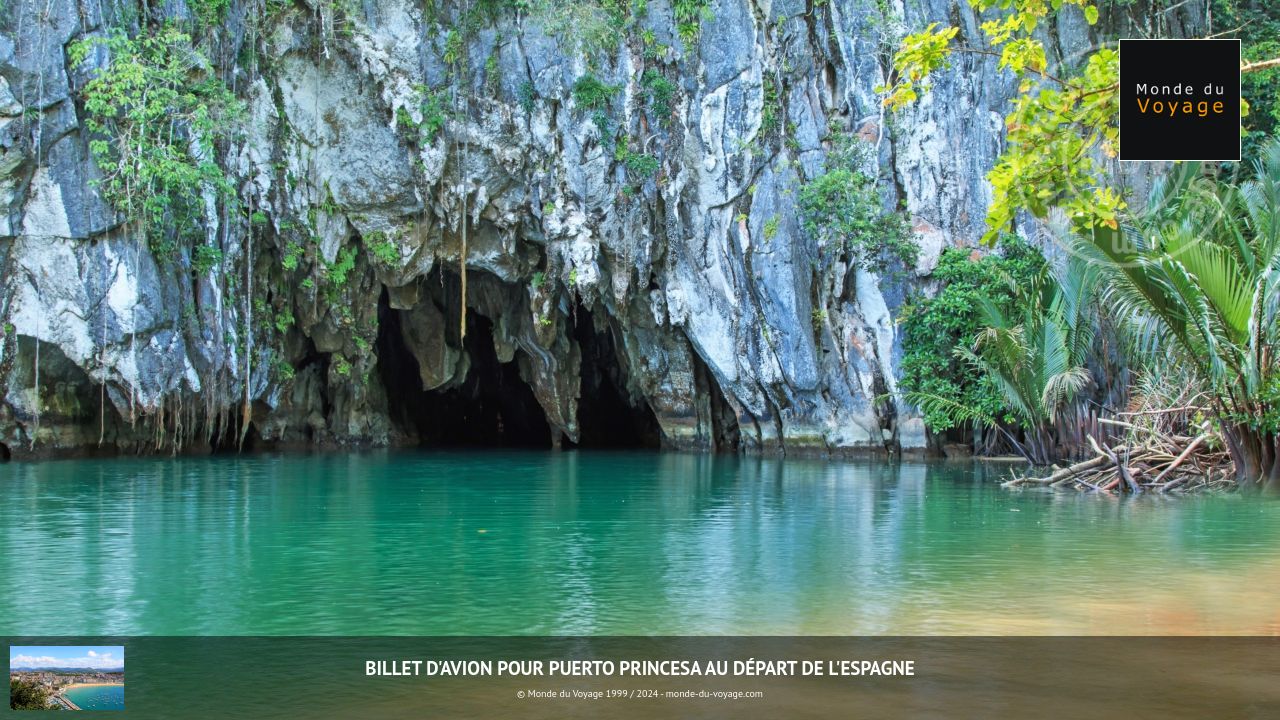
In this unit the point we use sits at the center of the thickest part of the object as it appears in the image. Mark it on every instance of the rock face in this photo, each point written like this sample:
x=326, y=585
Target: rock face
x=394, y=174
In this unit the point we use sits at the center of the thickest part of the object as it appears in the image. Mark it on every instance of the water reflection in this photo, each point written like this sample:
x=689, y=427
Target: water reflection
x=612, y=543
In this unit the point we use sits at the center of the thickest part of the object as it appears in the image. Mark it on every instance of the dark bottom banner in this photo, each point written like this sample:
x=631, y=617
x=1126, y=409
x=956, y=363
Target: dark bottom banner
x=649, y=677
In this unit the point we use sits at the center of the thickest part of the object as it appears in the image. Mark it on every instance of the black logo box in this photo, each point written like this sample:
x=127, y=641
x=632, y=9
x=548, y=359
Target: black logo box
x=1190, y=65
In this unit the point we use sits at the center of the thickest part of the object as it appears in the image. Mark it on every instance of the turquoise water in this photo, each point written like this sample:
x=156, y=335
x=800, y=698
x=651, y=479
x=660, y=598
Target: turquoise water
x=104, y=697
x=612, y=543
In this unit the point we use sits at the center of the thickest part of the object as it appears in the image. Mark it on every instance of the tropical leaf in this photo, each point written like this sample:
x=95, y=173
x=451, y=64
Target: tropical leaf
x=957, y=411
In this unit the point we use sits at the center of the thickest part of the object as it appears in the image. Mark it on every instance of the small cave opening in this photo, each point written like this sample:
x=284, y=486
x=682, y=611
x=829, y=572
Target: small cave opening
x=5, y=455
x=492, y=406
x=608, y=415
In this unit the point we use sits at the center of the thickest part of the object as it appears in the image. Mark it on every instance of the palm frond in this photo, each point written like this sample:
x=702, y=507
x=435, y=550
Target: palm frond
x=1062, y=388
x=958, y=412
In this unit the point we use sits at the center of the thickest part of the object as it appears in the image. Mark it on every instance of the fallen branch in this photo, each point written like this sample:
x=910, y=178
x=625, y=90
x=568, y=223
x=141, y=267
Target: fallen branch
x=1178, y=461
x=1162, y=463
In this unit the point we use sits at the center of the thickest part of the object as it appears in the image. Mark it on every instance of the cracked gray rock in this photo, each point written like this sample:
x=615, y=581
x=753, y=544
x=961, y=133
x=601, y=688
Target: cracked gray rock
x=700, y=278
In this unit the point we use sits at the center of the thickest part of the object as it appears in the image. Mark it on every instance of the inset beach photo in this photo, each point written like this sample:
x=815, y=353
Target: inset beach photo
x=66, y=677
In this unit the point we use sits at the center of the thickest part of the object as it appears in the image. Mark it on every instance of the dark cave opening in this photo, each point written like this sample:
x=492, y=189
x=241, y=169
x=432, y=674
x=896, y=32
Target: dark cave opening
x=608, y=417
x=4, y=453
x=491, y=407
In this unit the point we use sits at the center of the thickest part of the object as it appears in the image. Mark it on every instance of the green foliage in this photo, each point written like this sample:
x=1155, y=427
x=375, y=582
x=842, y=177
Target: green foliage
x=1032, y=350
x=205, y=258
x=932, y=328
x=689, y=15
x=920, y=55
x=431, y=115
x=209, y=12
x=1055, y=122
x=527, y=94
x=284, y=320
x=154, y=114
x=336, y=15
x=587, y=26
x=651, y=48
x=342, y=366
x=841, y=208
x=601, y=120
x=769, y=113
x=643, y=165
x=818, y=317
x=285, y=371
x=589, y=93
x=1196, y=281
x=1257, y=24
x=537, y=280
x=659, y=92
x=340, y=269
x=492, y=78
x=639, y=165
x=771, y=228
x=27, y=695
x=453, y=47
x=293, y=253
x=383, y=249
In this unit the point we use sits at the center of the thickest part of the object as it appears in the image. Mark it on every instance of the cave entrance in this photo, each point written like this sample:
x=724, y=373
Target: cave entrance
x=608, y=415
x=492, y=406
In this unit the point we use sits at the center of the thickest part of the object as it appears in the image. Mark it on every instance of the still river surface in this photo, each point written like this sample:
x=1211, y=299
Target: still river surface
x=577, y=543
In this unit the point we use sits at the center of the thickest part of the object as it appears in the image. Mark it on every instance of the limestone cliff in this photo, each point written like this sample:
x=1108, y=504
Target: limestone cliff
x=391, y=151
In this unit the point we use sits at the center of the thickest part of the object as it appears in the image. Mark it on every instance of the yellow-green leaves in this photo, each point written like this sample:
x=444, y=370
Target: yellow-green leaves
x=1057, y=126
x=1022, y=55
x=920, y=55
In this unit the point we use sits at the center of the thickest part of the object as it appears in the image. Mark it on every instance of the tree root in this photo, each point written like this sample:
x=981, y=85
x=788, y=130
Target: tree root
x=1160, y=464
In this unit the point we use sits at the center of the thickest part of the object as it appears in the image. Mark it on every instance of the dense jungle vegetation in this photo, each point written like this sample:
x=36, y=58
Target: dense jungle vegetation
x=1188, y=280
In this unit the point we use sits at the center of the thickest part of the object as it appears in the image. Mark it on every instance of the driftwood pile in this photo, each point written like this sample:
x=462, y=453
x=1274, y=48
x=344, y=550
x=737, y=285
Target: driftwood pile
x=1152, y=457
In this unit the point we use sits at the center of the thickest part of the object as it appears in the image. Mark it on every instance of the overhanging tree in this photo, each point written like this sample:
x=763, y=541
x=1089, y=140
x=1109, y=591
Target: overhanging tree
x=1059, y=122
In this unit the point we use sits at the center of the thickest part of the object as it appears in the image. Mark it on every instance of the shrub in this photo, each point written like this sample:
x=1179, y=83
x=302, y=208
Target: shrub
x=205, y=258
x=659, y=92
x=591, y=94
x=153, y=114
x=932, y=328
x=842, y=208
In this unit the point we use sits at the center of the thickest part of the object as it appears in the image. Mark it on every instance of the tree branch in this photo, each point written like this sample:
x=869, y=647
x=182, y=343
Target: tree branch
x=1260, y=65
x=992, y=53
